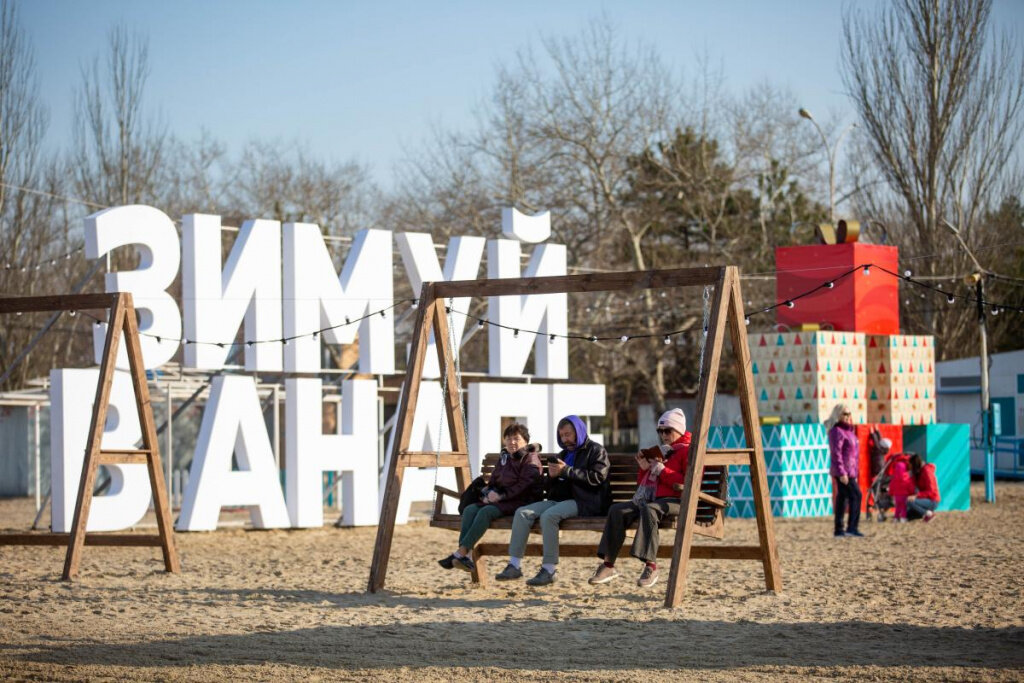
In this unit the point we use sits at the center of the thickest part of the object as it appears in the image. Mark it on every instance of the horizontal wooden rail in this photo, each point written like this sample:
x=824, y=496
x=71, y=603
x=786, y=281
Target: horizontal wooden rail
x=590, y=282
x=428, y=459
x=90, y=539
x=123, y=457
x=697, y=552
x=62, y=302
x=728, y=456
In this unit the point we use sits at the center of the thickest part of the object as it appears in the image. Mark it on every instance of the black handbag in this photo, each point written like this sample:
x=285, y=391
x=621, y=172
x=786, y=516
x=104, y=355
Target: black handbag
x=472, y=493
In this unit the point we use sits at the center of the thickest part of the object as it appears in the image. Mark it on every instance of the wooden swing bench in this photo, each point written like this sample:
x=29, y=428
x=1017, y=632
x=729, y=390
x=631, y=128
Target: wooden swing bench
x=622, y=477
x=702, y=502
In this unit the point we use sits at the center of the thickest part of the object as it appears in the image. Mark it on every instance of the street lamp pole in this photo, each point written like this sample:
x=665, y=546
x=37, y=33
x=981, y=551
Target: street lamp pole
x=830, y=152
x=978, y=278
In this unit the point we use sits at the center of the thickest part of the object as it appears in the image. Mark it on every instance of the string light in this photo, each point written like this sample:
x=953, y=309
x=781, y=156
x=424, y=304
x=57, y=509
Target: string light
x=515, y=334
x=625, y=338
x=867, y=270
x=830, y=285
x=950, y=299
x=668, y=340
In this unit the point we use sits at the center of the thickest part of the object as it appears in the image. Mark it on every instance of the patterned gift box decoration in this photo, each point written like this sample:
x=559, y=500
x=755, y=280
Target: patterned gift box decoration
x=796, y=456
x=947, y=446
x=801, y=376
x=901, y=379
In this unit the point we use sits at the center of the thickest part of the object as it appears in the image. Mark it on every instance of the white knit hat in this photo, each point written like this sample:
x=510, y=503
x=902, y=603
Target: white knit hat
x=673, y=418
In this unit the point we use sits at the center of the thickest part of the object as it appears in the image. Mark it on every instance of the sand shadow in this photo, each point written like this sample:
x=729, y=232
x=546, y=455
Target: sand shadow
x=582, y=644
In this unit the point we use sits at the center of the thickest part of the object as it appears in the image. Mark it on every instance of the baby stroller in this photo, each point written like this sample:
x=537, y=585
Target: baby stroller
x=878, y=499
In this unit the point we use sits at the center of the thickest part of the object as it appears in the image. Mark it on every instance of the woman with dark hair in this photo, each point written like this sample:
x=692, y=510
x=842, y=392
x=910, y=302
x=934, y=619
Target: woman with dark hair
x=515, y=481
x=927, y=499
x=844, y=452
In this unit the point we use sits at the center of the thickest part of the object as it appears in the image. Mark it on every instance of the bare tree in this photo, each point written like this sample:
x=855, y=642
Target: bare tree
x=940, y=98
x=116, y=151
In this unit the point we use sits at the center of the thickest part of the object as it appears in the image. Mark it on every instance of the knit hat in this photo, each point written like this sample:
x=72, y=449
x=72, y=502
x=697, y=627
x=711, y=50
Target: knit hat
x=673, y=418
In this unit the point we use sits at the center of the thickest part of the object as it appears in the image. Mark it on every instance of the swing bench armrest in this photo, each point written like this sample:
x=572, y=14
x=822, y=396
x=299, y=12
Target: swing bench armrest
x=439, y=498
x=445, y=491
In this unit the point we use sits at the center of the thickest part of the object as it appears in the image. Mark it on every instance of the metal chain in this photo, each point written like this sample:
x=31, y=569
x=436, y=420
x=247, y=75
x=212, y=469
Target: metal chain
x=704, y=328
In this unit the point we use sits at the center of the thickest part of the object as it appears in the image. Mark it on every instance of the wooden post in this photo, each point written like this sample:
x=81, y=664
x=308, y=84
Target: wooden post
x=752, y=428
x=403, y=425
x=705, y=406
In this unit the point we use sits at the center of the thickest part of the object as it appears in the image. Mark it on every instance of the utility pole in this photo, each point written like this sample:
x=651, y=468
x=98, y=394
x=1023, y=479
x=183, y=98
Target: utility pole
x=987, y=431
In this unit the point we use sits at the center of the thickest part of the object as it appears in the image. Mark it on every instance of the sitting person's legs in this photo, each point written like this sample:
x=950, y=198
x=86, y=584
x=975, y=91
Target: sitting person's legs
x=522, y=521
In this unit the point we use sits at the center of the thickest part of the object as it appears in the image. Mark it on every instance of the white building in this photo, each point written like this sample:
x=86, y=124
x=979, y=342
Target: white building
x=958, y=392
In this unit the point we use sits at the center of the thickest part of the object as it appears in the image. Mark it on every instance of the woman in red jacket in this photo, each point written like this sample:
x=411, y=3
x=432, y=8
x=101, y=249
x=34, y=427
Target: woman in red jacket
x=664, y=500
x=927, y=498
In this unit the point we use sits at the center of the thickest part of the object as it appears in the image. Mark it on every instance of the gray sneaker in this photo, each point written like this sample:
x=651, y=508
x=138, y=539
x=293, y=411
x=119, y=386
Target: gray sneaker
x=648, y=577
x=604, y=574
x=509, y=573
x=543, y=578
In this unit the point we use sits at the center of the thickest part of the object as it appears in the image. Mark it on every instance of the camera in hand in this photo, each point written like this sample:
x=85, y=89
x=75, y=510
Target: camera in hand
x=552, y=459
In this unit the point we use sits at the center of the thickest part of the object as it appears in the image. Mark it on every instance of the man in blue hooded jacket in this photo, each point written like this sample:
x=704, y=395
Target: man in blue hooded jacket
x=577, y=486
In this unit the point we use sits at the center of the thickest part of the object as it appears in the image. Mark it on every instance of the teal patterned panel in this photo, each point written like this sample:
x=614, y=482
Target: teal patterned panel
x=797, y=459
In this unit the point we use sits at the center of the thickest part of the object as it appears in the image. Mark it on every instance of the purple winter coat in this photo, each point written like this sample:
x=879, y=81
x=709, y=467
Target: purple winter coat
x=844, y=449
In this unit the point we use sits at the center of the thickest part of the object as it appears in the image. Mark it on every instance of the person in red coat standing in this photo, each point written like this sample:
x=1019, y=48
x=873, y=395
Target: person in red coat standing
x=844, y=450
x=650, y=508
x=927, y=498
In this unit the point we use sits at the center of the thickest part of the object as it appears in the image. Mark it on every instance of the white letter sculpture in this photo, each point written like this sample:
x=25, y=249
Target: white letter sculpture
x=310, y=452
x=316, y=297
x=233, y=425
x=545, y=313
x=421, y=265
x=216, y=302
x=129, y=493
x=156, y=241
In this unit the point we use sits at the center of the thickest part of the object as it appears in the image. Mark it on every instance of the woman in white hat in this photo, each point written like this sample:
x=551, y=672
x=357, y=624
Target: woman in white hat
x=656, y=497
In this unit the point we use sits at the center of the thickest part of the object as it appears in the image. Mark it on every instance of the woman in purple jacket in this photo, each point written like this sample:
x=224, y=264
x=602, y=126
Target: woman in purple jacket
x=515, y=481
x=844, y=450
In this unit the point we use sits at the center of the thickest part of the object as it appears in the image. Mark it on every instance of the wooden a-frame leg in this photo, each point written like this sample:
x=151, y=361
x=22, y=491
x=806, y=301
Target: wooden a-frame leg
x=91, y=462
x=705, y=403
x=758, y=467
x=150, y=443
x=479, y=572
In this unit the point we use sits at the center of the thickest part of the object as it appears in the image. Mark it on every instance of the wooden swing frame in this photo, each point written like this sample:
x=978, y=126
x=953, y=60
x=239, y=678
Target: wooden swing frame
x=121, y=322
x=726, y=311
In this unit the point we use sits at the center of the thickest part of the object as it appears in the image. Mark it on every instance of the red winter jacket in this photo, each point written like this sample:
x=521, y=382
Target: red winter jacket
x=901, y=482
x=675, y=468
x=927, y=485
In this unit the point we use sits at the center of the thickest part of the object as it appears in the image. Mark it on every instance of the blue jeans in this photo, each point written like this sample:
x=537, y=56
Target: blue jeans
x=475, y=521
x=551, y=514
x=919, y=506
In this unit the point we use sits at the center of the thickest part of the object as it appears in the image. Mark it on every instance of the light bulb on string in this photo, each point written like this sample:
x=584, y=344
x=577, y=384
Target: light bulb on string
x=668, y=340
x=625, y=338
x=515, y=334
x=249, y=344
x=790, y=304
x=316, y=335
x=907, y=274
x=480, y=323
x=867, y=270
x=551, y=339
x=746, y=321
x=593, y=338
x=830, y=285
x=950, y=299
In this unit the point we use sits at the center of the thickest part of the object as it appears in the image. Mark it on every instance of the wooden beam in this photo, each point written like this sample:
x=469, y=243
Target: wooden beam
x=591, y=282
x=90, y=539
x=697, y=552
x=122, y=458
x=58, y=302
x=728, y=456
x=428, y=459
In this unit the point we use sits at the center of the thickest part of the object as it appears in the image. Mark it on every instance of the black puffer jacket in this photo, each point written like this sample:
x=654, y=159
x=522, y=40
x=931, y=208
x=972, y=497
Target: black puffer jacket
x=586, y=481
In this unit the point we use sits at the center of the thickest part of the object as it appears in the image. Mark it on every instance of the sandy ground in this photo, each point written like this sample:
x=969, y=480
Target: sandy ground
x=941, y=601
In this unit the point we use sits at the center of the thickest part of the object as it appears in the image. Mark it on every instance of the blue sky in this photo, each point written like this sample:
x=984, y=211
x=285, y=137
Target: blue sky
x=365, y=80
